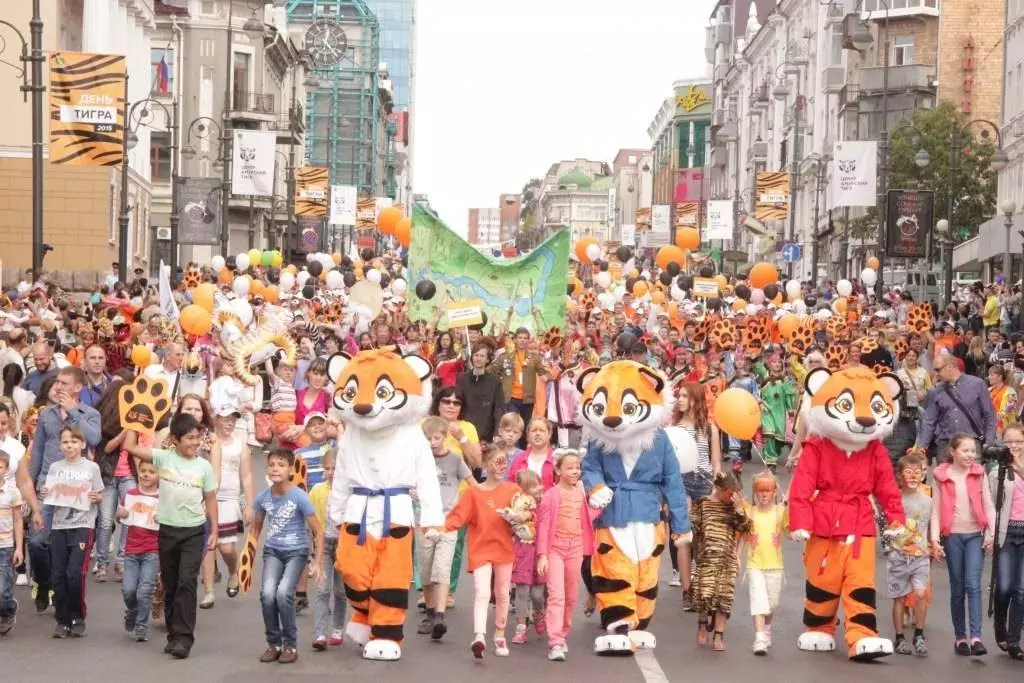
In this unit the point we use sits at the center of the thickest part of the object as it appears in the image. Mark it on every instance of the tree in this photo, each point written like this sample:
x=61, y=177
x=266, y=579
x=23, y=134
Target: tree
x=530, y=195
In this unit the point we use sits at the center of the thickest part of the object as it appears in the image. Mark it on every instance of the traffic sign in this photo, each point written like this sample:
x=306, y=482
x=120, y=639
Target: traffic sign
x=791, y=253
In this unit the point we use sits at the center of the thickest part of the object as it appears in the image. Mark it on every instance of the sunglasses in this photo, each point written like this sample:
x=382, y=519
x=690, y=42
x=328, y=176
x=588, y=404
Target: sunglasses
x=451, y=402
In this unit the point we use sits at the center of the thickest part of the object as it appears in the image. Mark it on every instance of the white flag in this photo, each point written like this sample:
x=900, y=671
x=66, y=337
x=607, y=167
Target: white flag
x=719, y=224
x=343, y=205
x=854, y=173
x=252, y=163
x=168, y=308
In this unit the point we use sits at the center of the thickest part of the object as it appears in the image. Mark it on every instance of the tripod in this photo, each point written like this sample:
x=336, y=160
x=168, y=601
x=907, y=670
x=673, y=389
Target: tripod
x=1005, y=473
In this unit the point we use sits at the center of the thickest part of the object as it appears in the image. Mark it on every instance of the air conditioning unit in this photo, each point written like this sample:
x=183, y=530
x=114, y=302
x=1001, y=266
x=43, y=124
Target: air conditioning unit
x=163, y=233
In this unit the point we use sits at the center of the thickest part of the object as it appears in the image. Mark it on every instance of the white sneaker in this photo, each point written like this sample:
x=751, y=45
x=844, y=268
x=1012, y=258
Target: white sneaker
x=675, y=580
x=22, y=580
x=760, y=644
x=768, y=636
x=557, y=654
x=500, y=646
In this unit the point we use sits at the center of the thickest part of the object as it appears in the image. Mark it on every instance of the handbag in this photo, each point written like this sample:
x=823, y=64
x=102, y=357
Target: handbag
x=978, y=433
x=263, y=426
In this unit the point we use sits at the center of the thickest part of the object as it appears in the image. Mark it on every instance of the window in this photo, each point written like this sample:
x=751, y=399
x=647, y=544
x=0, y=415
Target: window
x=162, y=71
x=208, y=7
x=902, y=50
x=240, y=79
x=159, y=156
x=836, y=47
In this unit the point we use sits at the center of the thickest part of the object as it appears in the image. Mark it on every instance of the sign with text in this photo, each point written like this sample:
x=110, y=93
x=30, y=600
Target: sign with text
x=628, y=234
x=199, y=210
x=343, y=204
x=141, y=511
x=311, y=191
x=366, y=213
x=705, y=287
x=771, y=196
x=67, y=492
x=87, y=108
x=908, y=221
x=687, y=214
x=719, y=222
x=252, y=163
x=854, y=179
x=465, y=313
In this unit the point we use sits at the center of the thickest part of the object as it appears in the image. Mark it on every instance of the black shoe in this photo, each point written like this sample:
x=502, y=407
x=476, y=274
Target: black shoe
x=978, y=648
x=129, y=621
x=437, y=633
x=61, y=631
x=168, y=647
x=78, y=628
x=301, y=603
x=962, y=648
x=179, y=651
x=1014, y=652
x=42, y=599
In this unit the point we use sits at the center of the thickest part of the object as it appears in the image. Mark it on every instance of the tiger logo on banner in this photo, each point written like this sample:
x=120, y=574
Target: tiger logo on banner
x=366, y=214
x=642, y=219
x=311, y=191
x=687, y=214
x=772, y=196
x=87, y=109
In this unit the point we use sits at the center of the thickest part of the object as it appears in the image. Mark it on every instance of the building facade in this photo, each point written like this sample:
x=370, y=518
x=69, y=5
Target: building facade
x=574, y=194
x=484, y=229
x=631, y=189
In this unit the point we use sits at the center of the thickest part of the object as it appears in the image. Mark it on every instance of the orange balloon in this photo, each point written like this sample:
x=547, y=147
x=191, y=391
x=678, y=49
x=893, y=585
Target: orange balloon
x=195, y=320
x=763, y=274
x=640, y=288
x=377, y=264
x=577, y=286
x=737, y=413
x=722, y=281
x=873, y=262
x=670, y=254
x=256, y=288
x=839, y=306
x=203, y=294
x=688, y=238
x=581, y=248
x=272, y=294
x=141, y=356
x=336, y=257
x=634, y=273
x=658, y=297
x=388, y=219
x=225, y=276
x=358, y=263
x=672, y=309
x=777, y=300
x=739, y=305
x=788, y=324
x=403, y=231
x=358, y=272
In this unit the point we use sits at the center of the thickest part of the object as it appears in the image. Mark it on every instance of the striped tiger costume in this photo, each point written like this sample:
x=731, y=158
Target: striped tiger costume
x=630, y=467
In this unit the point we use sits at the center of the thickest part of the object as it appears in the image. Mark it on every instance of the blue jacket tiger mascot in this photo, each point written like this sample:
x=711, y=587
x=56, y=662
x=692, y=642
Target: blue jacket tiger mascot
x=630, y=467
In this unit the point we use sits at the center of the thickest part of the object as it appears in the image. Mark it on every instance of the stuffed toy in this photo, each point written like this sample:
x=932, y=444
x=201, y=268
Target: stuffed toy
x=629, y=469
x=383, y=455
x=520, y=516
x=843, y=463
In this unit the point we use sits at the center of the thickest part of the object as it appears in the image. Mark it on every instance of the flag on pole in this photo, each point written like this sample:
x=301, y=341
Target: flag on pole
x=168, y=308
x=163, y=77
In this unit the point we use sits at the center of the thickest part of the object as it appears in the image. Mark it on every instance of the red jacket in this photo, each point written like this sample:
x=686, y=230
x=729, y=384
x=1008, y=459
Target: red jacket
x=947, y=496
x=547, y=519
x=521, y=460
x=829, y=494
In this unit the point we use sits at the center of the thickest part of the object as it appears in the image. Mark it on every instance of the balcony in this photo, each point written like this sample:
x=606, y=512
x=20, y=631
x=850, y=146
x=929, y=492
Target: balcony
x=291, y=127
x=835, y=78
x=719, y=156
x=905, y=78
x=759, y=98
x=758, y=151
x=252, y=106
x=721, y=71
x=719, y=117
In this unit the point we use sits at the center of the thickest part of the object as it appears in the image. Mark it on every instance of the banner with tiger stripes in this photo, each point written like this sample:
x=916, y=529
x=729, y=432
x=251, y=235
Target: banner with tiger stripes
x=366, y=214
x=772, y=196
x=311, y=191
x=687, y=214
x=87, y=108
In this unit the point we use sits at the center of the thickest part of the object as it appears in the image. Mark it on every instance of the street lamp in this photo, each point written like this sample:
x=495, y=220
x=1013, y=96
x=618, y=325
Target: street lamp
x=922, y=158
x=782, y=73
x=204, y=128
x=820, y=166
x=1008, y=207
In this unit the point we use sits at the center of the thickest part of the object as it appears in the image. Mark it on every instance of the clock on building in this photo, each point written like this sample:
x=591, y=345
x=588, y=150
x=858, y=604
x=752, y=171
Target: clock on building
x=326, y=43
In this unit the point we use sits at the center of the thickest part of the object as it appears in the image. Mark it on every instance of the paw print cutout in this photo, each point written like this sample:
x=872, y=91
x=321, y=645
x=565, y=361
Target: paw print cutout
x=802, y=339
x=836, y=327
x=900, y=348
x=835, y=356
x=245, y=564
x=143, y=403
x=192, y=278
x=723, y=335
x=300, y=474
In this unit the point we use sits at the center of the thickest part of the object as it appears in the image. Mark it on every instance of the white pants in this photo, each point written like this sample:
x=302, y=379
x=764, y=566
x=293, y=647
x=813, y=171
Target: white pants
x=765, y=589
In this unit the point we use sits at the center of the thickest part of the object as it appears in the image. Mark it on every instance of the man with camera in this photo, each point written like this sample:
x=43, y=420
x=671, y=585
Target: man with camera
x=958, y=404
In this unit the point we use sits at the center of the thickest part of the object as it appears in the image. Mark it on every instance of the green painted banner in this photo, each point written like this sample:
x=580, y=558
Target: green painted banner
x=460, y=272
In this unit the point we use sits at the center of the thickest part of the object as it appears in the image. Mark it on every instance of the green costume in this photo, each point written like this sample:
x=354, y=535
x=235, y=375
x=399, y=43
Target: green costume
x=779, y=398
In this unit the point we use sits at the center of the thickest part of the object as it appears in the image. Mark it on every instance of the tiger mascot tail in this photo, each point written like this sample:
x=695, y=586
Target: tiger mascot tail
x=630, y=467
x=843, y=463
x=382, y=456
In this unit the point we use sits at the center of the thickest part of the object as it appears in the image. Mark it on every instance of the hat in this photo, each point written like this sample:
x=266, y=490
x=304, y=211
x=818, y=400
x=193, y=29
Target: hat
x=228, y=411
x=312, y=416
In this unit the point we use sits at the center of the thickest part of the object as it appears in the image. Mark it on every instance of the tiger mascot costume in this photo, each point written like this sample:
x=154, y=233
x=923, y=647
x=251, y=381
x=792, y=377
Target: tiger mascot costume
x=851, y=411
x=630, y=467
x=382, y=457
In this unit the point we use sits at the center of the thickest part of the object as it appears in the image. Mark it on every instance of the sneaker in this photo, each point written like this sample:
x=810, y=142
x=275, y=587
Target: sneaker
x=320, y=644
x=978, y=648
x=539, y=625
x=7, y=624
x=687, y=603
x=675, y=581
x=301, y=603
x=556, y=654
x=520, y=635
x=768, y=636
x=451, y=602
x=42, y=598
x=271, y=654
x=78, y=628
x=180, y=651
x=289, y=655
x=118, y=573
x=141, y=635
x=208, y=601
x=168, y=646
x=962, y=648
x=101, y=575
x=437, y=633
x=901, y=647
x=920, y=647
x=337, y=637
x=61, y=631
x=500, y=646
x=478, y=646
x=760, y=644
x=129, y=620
x=22, y=580
x=426, y=626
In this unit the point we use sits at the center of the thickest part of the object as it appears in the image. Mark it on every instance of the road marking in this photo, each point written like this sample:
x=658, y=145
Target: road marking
x=649, y=667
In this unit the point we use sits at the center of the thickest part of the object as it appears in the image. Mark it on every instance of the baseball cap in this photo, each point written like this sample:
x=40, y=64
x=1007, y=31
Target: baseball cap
x=312, y=416
x=228, y=411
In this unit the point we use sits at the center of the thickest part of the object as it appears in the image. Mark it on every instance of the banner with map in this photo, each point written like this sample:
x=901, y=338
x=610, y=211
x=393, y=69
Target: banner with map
x=460, y=273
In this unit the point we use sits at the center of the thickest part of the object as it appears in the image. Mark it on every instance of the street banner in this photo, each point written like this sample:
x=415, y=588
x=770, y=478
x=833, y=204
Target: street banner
x=309, y=228
x=252, y=163
x=661, y=225
x=366, y=214
x=199, y=210
x=343, y=204
x=87, y=108
x=610, y=214
x=461, y=273
x=628, y=234
x=687, y=215
x=719, y=224
x=771, y=192
x=642, y=219
x=854, y=179
x=909, y=215
x=310, y=191
x=168, y=306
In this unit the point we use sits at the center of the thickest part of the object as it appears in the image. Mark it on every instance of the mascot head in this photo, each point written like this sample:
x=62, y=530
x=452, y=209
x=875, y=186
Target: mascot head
x=852, y=407
x=624, y=403
x=380, y=388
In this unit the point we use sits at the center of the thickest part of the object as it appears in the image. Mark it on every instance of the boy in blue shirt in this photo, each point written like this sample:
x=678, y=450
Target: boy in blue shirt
x=286, y=510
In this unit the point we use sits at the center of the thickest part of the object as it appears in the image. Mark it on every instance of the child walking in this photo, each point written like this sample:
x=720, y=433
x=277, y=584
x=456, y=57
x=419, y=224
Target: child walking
x=286, y=509
x=965, y=525
x=330, y=593
x=718, y=523
x=491, y=550
x=73, y=489
x=137, y=513
x=565, y=533
x=908, y=561
x=765, y=571
x=12, y=546
x=528, y=582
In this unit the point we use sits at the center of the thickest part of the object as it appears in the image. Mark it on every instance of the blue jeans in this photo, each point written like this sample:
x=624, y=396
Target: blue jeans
x=113, y=493
x=1009, y=598
x=138, y=586
x=964, y=558
x=328, y=592
x=7, y=605
x=281, y=570
x=39, y=549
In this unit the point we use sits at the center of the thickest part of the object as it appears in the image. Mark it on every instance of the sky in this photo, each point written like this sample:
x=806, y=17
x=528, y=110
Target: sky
x=505, y=88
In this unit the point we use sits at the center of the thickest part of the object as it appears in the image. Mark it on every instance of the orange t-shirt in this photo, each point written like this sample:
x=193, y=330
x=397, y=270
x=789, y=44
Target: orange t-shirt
x=490, y=537
x=517, y=375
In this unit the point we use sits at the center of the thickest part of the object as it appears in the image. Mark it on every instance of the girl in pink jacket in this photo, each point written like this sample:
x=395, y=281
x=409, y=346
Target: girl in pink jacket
x=565, y=533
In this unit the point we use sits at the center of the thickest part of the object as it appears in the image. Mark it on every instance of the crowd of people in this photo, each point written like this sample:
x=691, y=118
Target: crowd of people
x=164, y=510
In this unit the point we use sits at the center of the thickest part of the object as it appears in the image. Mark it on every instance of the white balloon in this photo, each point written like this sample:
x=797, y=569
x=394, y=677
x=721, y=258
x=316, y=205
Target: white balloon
x=620, y=293
x=218, y=263
x=869, y=277
x=243, y=310
x=676, y=293
x=751, y=309
x=757, y=296
x=136, y=301
x=242, y=262
x=823, y=314
x=593, y=252
x=607, y=300
x=399, y=286
x=373, y=275
x=799, y=307
x=241, y=286
x=287, y=281
x=335, y=280
x=327, y=261
x=685, y=447
x=310, y=257
x=303, y=275
x=844, y=287
x=793, y=289
x=604, y=278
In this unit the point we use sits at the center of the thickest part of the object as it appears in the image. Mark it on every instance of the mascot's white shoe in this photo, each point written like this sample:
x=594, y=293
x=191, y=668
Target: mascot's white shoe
x=357, y=633
x=382, y=651
x=643, y=640
x=815, y=641
x=866, y=649
x=613, y=645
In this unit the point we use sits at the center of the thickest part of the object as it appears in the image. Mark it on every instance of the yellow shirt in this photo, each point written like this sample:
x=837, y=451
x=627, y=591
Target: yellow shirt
x=318, y=496
x=765, y=550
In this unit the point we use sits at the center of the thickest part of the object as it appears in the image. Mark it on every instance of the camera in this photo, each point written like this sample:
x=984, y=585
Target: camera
x=997, y=453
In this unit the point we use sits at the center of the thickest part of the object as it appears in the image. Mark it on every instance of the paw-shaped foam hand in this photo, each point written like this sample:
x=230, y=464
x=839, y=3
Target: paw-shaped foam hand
x=143, y=403
x=245, y=564
x=300, y=474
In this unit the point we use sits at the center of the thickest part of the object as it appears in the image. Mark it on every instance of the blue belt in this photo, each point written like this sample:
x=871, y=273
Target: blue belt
x=370, y=493
x=645, y=486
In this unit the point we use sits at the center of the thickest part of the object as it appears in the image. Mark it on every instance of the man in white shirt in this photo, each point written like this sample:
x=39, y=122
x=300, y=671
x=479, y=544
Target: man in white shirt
x=18, y=476
x=14, y=352
x=169, y=370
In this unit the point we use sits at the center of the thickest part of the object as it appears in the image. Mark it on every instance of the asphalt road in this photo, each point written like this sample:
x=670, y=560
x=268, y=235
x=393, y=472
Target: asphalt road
x=230, y=640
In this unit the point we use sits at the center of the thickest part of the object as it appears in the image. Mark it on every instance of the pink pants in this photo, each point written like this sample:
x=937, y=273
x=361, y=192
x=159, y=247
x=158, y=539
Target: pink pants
x=565, y=558
x=482, y=595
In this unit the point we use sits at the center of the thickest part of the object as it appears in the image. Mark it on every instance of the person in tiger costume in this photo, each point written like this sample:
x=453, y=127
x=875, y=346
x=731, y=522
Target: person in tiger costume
x=843, y=462
x=629, y=469
x=382, y=457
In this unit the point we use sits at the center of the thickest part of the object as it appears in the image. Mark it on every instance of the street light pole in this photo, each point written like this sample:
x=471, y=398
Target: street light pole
x=175, y=159
x=225, y=146
x=122, y=218
x=35, y=26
